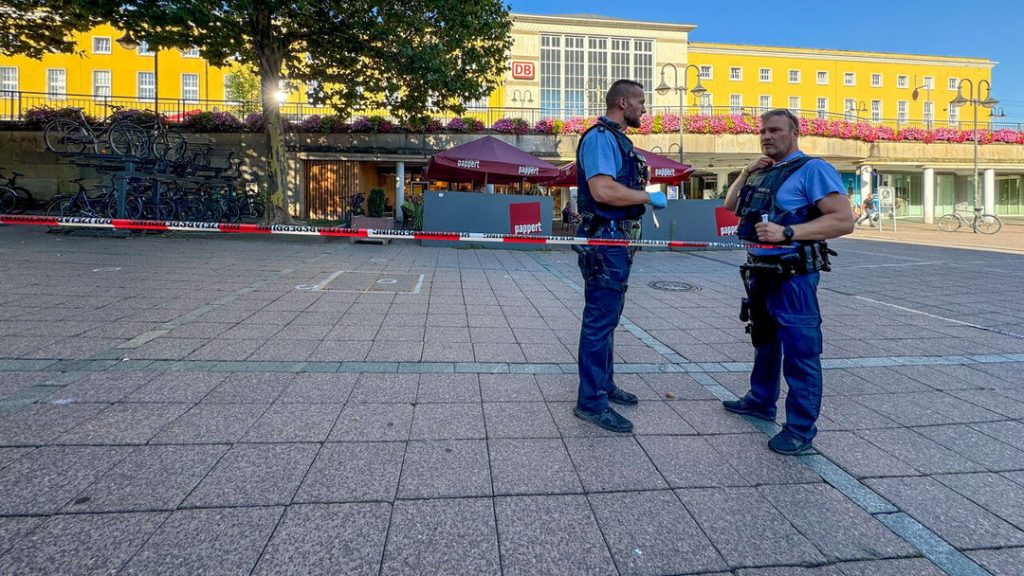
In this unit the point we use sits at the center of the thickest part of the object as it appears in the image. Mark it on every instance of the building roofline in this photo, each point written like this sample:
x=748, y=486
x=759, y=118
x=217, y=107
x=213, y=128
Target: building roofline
x=723, y=48
x=599, y=20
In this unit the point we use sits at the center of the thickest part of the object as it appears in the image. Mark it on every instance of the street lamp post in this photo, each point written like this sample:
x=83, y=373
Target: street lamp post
x=975, y=101
x=913, y=95
x=596, y=88
x=128, y=42
x=856, y=109
x=664, y=88
x=524, y=97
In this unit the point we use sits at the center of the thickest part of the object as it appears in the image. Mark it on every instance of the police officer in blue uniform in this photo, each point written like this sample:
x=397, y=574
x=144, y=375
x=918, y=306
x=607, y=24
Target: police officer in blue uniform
x=798, y=202
x=610, y=178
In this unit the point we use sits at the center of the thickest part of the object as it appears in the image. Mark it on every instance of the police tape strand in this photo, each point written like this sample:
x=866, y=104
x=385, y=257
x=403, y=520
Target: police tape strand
x=369, y=233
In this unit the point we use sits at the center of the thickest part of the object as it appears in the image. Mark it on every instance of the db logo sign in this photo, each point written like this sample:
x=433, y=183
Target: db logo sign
x=523, y=70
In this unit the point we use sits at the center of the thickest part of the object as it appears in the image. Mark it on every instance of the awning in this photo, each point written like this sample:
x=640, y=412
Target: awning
x=663, y=171
x=488, y=160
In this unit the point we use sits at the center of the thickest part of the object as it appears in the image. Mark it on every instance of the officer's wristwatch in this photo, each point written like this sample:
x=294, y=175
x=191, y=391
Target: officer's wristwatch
x=787, y=233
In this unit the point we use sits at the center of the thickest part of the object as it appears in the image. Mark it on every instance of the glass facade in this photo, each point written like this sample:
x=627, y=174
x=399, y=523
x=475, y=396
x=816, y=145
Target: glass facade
x=575, y=71
x=1010, y=196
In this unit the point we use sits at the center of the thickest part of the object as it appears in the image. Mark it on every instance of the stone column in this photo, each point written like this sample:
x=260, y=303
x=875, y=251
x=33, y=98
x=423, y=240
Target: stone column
x=988, y=193
x=928, y=195
x=721, y=179
x=399, y=189
x=865, y=182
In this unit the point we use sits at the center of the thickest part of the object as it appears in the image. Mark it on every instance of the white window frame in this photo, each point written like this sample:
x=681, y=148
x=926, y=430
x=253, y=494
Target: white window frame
x=876, y=111
x=954, y=116
x=192, y=52
x=876, y=79
x=707, y=71
x=736, y=73
x=764, y=103
x=706, y=104
x=953, y=84
x=902, y=111
x=818, y=77
x=764, y=74
x=150, y=92
x=903, y=81
x=929, y=113
x=849, y=109
x=794, y=76
x=822, y=107
x=794, y=103
x=95, y=85
x=735, y=103
x=143, y=49
x=184, y=96
x=110, y=45
x=61, y=94
x=5, y=84
x=849, y=78
x=929, y=82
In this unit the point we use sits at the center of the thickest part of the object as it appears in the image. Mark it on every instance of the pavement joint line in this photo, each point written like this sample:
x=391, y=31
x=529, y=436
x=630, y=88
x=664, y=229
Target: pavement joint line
x=142, y=339
x=936, y=316
x=941, y=553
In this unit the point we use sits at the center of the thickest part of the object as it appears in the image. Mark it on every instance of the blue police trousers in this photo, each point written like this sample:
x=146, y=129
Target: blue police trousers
x=605, y=272
x=787, y=338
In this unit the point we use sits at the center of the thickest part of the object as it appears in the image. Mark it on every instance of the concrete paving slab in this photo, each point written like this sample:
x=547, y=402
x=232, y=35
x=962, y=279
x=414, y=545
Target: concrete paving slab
x=104, y=387
x=449, y=536
x=748, y=454
x=975, y=446
x=353, y=472
x=519, y=420
x=613, y=464
x=327, y=539
x=532, y=466
x=373, y=423
x=858, y=456
x=690, y=462
x=385, y=388
x=997, y=494
x=447, y=422
x=40, y=424
x=442, y=388
x=14, y=528
x=550, y=535
x=654, y=417
x=445, y=469
x=307, y=388
x=213, y=541
x=509, y=388
x=211, y=424
x=188, y=387
x=42, y=481
x=896, y=567
x=124, y=424
x=294, y=423
x=1005, y=562
x=254, y=475
x=249, y=388
x=922, y=454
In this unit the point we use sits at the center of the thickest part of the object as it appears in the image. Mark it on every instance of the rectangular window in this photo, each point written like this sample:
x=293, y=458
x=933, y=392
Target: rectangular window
x=101, y=44
x=705, y=103
x=903, y=81
x=794, y=76
x=823, y=77
x=735, y=73
x=954, y=116
x=901, y=111
x=147, y=86
x=551, y=75
x=9, y=79
x=765, y=103
x=597, y=74
x=954, y=83
x=190, y=87
x=143, y=49
x=794, y=103
x=822, y=107
x=101, y=84
x=876, y=80
x=56, y=84
x=190, y=53
x=929, y=82
x=735, y=103
x=876, y=111
x=850, y=109
x=929, y=113
x=643, y=66
x=706, y=72
x=849, y=79
x=574, y=55
x=764, y=74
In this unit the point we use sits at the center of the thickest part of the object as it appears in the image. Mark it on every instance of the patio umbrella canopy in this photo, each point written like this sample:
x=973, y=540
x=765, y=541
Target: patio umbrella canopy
x=663, y=171
x=488, y=160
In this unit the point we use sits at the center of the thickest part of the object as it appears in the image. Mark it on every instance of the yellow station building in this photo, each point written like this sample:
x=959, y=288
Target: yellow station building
x=560, y=66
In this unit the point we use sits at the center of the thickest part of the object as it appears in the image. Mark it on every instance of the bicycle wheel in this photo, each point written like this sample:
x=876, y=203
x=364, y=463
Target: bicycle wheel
x=949, y=223
x=989, y=224
x=24, y=200
x=133, y=208
x=127, y=139
x=8, y=200
x=65, y=136
x=169, y=145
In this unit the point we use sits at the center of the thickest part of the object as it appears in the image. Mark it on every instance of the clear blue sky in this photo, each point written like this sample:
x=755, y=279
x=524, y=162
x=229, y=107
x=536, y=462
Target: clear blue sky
x=992, y=29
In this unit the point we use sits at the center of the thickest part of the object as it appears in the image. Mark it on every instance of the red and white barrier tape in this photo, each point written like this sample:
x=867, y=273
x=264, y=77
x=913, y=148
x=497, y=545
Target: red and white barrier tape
x=162, y=226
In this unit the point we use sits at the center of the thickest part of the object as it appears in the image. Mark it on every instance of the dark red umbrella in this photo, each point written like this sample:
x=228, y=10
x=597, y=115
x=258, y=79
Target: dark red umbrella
x=488, y=160
x=663, y=171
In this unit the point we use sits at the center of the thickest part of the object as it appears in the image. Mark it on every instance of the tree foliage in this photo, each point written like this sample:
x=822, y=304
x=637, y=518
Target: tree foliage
x=35, y=28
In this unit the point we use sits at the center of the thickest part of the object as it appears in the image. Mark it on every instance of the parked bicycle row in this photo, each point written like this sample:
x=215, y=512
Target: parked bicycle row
x=139, y=134
x=14, y=199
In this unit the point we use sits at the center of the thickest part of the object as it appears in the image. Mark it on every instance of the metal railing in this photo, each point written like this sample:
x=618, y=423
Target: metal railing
x=15, y=104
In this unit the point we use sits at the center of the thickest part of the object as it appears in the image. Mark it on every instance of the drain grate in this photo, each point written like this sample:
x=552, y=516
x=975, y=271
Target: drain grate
x=672, y=286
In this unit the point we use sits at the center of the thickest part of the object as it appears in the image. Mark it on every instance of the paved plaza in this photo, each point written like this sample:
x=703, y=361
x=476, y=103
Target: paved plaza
x=217, y=404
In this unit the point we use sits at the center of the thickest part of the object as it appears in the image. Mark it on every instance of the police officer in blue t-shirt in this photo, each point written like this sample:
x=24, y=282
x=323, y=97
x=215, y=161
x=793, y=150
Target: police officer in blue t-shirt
x=787, y=198
x=610, y=177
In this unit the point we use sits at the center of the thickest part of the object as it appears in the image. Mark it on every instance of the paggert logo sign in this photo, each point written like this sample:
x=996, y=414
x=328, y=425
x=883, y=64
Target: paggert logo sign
x=726, y=222
x=524, y=218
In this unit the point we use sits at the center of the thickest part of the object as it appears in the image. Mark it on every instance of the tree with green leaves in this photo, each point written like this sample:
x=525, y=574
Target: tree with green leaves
x=35, y=28
x=400, y=55
x=243, y=87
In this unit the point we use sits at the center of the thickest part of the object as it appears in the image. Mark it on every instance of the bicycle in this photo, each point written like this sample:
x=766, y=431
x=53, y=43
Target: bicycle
x=103, y=205
x=14, y=199
x=67, y=136
x=983, y=223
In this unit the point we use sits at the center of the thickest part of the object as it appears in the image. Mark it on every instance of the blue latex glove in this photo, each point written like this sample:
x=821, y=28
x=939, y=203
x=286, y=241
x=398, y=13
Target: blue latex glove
x=657, y=200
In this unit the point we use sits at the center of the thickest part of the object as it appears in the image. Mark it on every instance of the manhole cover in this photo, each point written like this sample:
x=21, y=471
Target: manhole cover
x=670, y=286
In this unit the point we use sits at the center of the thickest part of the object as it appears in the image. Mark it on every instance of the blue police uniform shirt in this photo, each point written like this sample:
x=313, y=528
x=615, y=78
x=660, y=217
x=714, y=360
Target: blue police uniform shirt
x=810, y=183
x=599, y=154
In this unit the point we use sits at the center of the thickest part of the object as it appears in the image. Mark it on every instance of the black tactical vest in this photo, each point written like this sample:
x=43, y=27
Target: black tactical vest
x=757, y=199
x=633, y=174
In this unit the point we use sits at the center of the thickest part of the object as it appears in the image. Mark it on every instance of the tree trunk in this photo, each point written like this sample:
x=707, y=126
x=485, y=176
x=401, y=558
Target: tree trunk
x=270, y=63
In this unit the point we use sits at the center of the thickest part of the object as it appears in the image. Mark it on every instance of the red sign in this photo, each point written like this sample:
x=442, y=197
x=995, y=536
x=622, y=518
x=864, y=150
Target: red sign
x=524, y=218
x=725, y=222
x=523, y=70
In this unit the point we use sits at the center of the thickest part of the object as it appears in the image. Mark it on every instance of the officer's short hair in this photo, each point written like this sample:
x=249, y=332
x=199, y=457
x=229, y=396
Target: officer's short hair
x=621, y=89
x=783, y=112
